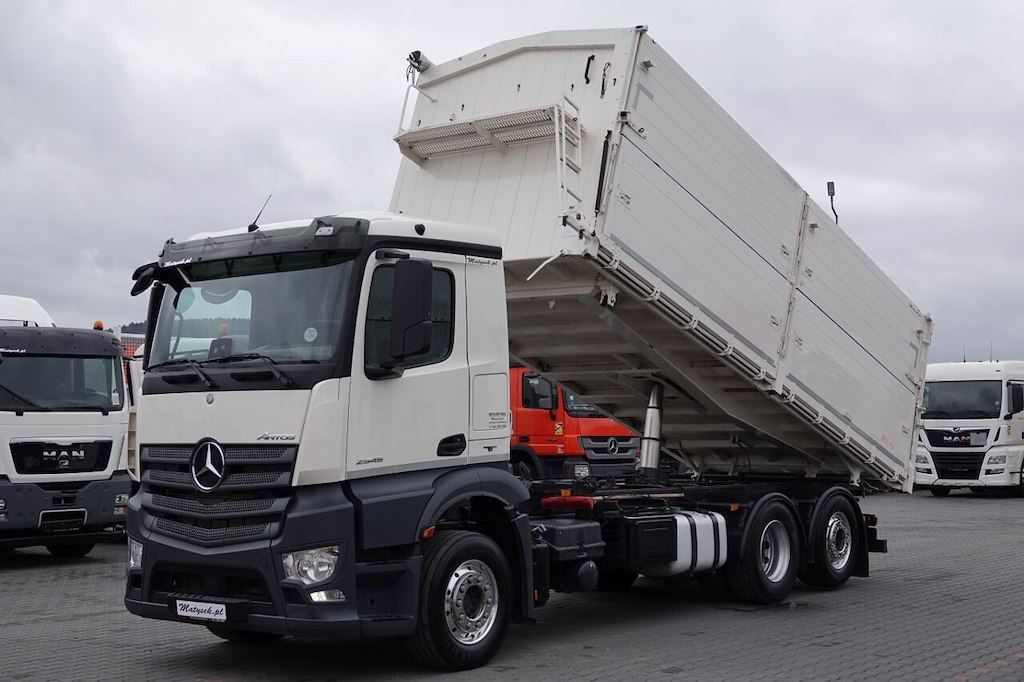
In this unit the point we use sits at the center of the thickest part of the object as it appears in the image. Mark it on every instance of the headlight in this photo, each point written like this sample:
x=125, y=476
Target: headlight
x=311, y=565
x=134, y=555
x=997, y=459
x=921, y=459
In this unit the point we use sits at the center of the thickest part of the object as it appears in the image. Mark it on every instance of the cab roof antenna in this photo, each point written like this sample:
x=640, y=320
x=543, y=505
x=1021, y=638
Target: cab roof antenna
x=253, y=226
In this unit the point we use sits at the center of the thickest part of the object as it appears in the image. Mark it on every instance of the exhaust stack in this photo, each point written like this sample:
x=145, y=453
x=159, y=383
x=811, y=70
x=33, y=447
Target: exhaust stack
x=650, y=442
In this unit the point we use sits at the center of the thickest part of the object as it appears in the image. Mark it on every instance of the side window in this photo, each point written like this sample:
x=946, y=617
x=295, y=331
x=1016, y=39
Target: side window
x=378, y=319
x=538, y=392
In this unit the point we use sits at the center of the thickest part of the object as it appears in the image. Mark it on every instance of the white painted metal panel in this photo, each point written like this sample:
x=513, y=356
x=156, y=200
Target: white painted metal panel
x=675, y=123
x=830, y=369
x=782, y=348
x=700, y=261
x=377, y=443
x=840, y=279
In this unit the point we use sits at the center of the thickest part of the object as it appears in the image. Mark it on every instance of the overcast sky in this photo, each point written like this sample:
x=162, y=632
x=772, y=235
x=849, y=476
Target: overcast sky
x=125, y=123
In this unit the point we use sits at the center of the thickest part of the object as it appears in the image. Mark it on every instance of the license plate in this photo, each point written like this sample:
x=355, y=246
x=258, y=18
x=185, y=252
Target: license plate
x=201, y=610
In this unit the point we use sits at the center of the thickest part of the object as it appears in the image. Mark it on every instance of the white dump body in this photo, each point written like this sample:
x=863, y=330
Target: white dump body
x=665, y=245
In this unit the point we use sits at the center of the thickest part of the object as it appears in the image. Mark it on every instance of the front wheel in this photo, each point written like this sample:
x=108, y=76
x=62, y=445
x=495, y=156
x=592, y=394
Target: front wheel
x=74, y=550
x=465, y=601
x=835, y=545
x=767, y=570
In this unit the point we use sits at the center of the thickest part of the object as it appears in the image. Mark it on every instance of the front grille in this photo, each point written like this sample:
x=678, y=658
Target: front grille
x=961, y=438
x=39, y=457
x=966, y=465
x=624, y=447
x=249, y=504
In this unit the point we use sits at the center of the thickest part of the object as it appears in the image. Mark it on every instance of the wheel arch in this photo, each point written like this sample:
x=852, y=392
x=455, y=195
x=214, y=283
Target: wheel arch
x=527, y=453
x=485, y=502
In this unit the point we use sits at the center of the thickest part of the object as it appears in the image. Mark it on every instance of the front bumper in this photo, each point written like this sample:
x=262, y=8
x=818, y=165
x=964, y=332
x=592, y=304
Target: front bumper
x=37, y=516
x=248, y=578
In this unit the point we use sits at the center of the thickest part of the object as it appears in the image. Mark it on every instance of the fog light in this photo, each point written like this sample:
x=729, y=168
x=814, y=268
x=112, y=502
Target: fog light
x=922, y=470
x=997, y=459
x=311, y=565
x=327, y=596
x=581, y=471
x=3, y=504
x=921, y=459
x=991, y=472
x=134, y=555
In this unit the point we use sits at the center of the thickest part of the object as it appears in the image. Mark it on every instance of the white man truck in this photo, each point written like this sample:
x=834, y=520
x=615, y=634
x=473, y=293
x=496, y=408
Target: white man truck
x=324, y=427
x=63, y=428
x=973, y=420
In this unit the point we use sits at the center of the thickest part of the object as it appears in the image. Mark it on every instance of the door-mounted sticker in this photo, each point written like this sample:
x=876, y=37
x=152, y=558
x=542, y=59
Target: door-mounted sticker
x=310, y=334
x=558, y=428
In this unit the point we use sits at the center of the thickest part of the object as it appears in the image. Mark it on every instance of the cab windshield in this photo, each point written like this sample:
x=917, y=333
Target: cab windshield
x=46, y=383
x=286, y=307
x=962, y=399
x=577, y=407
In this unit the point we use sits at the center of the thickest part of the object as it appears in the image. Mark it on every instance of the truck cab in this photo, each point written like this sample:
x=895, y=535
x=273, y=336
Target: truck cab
x=554, y=431
x=63, y=432
x=972, y=428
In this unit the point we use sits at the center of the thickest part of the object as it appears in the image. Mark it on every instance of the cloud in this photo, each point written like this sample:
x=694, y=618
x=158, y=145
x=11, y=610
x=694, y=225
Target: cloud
x=125, y=123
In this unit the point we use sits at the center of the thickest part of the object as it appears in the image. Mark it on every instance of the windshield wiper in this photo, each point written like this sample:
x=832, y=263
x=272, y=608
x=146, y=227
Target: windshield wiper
x=268, y=361
x=191, y=364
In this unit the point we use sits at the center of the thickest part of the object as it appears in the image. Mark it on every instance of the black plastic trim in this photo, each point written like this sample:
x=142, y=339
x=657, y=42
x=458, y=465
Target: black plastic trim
x=58, y=341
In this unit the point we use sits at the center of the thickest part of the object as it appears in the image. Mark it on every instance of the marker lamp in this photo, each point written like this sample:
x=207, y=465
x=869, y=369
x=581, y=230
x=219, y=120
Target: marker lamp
x=134, y=555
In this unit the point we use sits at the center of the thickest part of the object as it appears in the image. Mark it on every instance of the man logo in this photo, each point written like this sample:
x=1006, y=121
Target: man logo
x=207, y=466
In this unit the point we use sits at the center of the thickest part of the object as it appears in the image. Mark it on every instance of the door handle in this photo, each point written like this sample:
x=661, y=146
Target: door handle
x=452, y=446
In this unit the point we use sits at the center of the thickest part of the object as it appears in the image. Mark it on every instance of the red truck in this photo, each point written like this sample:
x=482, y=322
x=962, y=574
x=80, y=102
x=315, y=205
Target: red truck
x=554, y=429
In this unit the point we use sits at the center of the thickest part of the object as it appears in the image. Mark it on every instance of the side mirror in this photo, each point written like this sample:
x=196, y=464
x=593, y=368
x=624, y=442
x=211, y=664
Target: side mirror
x=144, y=277
x=411, y=328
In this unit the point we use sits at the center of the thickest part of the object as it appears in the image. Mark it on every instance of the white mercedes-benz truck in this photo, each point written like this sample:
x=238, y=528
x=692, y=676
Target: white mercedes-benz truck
x=324, y=428
x=63, y=434
x=973, y=421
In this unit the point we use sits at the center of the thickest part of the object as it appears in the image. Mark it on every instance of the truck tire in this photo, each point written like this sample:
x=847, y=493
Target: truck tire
x=243, y=636
x=74, y=550
x=767, y=570
x=836, y=545
x=465, y=601
x=523, y=467
x=940, y=492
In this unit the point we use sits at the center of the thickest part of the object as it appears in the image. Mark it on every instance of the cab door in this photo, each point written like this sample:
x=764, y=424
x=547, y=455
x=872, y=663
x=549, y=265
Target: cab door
x=420, y=419
x=539, y=415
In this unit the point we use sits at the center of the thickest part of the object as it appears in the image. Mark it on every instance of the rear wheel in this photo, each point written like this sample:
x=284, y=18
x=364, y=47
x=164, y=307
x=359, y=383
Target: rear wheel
x=940, y=492
x=243, y=636
x=767, y=570
x=835, y=545
x=74, y=550
x=465, y=601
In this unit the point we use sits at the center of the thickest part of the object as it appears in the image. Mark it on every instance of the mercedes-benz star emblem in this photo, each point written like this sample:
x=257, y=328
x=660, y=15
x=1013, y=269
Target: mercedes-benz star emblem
x=207, y=466
x=613, y=446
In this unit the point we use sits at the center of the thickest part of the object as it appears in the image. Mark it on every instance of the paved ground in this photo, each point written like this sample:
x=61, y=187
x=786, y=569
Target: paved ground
x=942, y=605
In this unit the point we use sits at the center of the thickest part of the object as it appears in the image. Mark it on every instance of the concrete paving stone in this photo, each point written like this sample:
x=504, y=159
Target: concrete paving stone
x=941, y=605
